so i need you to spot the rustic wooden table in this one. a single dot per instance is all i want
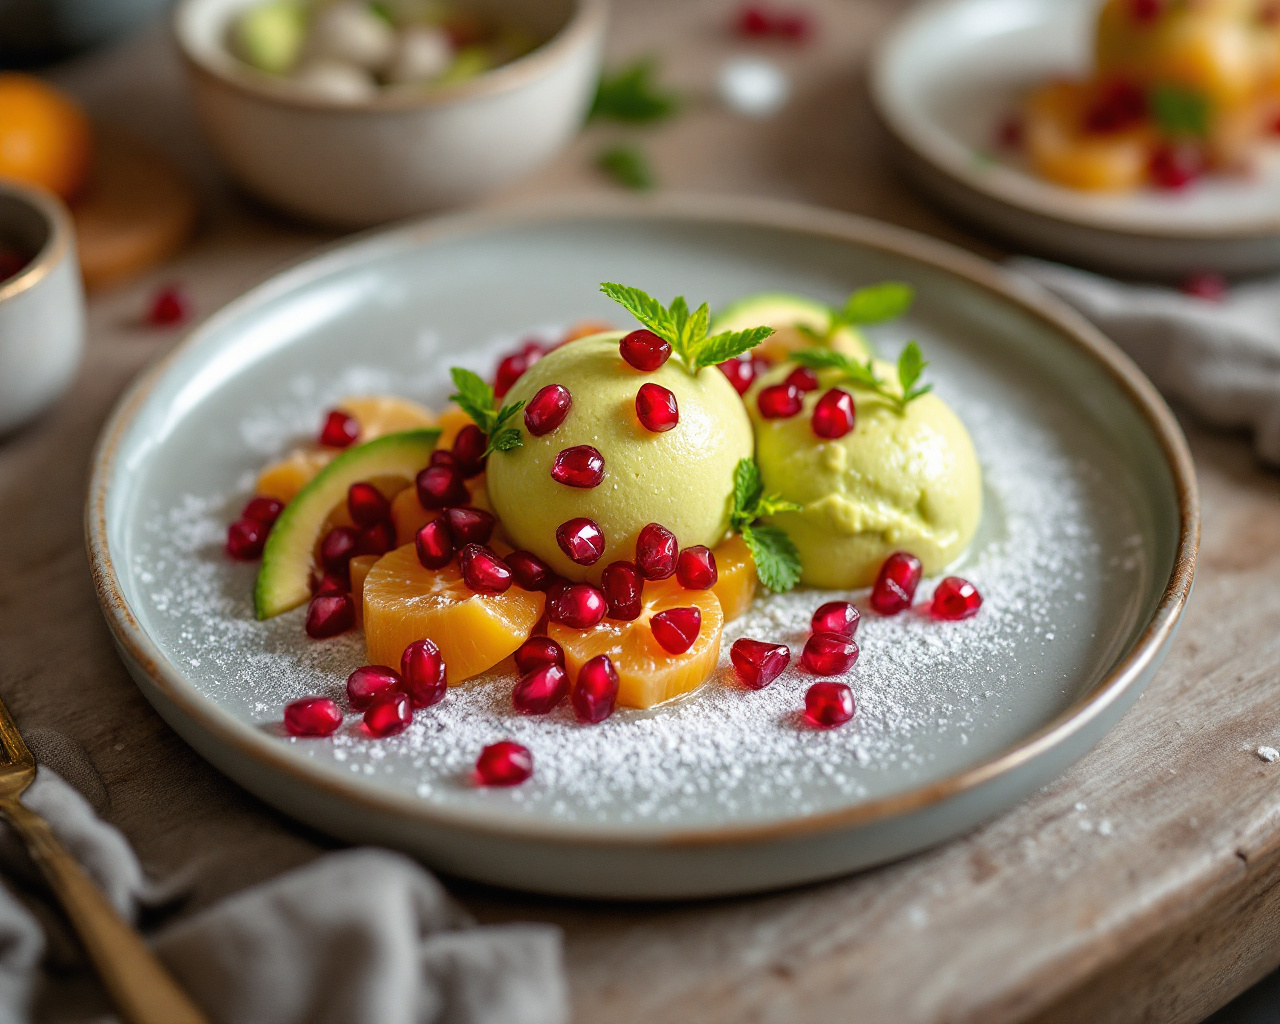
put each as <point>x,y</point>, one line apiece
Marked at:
<point>1142,885</point>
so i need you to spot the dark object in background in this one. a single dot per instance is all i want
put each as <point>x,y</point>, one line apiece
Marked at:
<point>37,31</point>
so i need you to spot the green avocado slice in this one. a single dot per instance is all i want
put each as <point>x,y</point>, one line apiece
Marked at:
<point>284,578</point>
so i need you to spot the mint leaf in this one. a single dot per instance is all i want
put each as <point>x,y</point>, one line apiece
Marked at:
<point>632,96</point>
<point>731,344</point>
<point>627,165</point>
<point>777,560</point>
<point>748,486</point>
<point>507,440</point>
<point>644,307</point>
<point>877,303</point>
<point>1180,112</point>
<point>911,365</point>
<point>475,398</point>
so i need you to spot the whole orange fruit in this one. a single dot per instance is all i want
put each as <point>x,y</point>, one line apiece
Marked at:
<point>44,137</point>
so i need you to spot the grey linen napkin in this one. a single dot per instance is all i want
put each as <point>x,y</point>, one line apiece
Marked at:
<point>361,936</point>
<point>1220,359</point>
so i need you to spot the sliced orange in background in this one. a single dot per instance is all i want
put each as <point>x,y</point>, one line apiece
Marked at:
<point>736,585</point>
<point>647,673</point>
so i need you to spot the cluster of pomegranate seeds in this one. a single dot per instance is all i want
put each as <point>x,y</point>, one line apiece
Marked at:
<point>330,614</point>
<point>505,763</point>
<point>803,379</point>
<point>743,371</point>
<point>829,654</point>
<point>676,629</point>
<point>547,409</point>
<point>469,525</point>
<point>577,605</point>
<point>840,617</point>
<point>1209,286</point>
<point>340,430</point>
<point>581,539</point>
<point>511,368</point>
<point>247,536</point>
<point>388,715</point>
<point>644,350</point>
<point>955,599</point>
<point>835,415</point>
<point>623,588</point>
<point>312,716</point>
<point>827,705</point>
<point>759,21</point>
<point>468,450</point>
<point>483,571</point>
<point>656,408</point>
<point>758,663</point>
<point>169,307</point>
<point>1174,167</point>
<point>596,691</point>
<point>369,682</point>
<point>895,586</point>
<point>435,544</point>
<point>696,568</point>
<point>338,548</point>
<point>540,690</point>
<point>656,552</point>
<point>1120,104</point>
<point>1010,132</point>
<point>529,571</point>
<point>579,466</point>
<point>422,674</point>
<point>538,651</point>
<point>442,486</point>
<point>779,401</point>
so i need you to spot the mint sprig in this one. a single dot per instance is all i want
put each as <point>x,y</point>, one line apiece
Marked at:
<point>1180,112</point>
<point>777,560</point>
<point>874,304</point>
<point>627,165</point>
<point>911,365</point>
<point>476,399</point>
<point>631,95</point>
<point>685,331</point>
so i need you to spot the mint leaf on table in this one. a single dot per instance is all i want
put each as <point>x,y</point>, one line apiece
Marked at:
<point>627,165</point>
<point>777,560</point>
<point>911,365</point>
<point>1180,112</point>
<point>632,95</point>
<point>476,399</point>
<point>685,331</point>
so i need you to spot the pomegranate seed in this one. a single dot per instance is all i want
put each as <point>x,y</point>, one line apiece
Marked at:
<point>739,372</point>
<point>422,674</point>
<point>367,505</point>
<point>443,457</point>
<point>388,715</point>
<point>246,539</point>
<point>337,548</point>
<point>582,540</point>
<point>469,525</point>
<point>840,617</point>
<point>779,401</point>
<point>538,651</point>
<point>370,682</point>
<point>1176,167</point>
<point>803,379</point>
<point>339,430</point>
<point>330,614</point>
<point>377,540</point>
<point>656,552</point>
<point>656,408</point>
<point>955,599</point>
<point>510,370</point>
<point>442,487</point>
<point>829,654</point>
<point>529,571</point>
<point>623,586</point>
<point>169,307</point>
<point>435,545</point>
<point>755,21</point>
<point>644,350</point>
<point>827,705</point>
<point>677,629</point>
<point>483,571</point>
<point>1208,286</point>
<point>1119,105</point>
<point>332,583</point>
<point>580,606</point>
<point>834,415</point>
<point>896,584</point>
<point>312,716</point>
<point>556,590</point>
<point>596,691</point>
<point>758,663</point>
<point>541,690</point>
<point>696,568</point>
<point>264,510</point>
<point>468,450</point>
<point>1010,132</point>
<point>504,764</point>
<point>548,409</point>
<point>1144,11</point>
<point>579,466</point>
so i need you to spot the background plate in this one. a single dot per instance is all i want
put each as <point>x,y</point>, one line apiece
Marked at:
<point>1085,558</point>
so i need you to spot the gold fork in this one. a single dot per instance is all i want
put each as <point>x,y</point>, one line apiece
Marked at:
<point>143,991</point>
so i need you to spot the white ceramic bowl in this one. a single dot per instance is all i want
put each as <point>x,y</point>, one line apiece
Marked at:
<point>401,152</point>
<point>41,308</point>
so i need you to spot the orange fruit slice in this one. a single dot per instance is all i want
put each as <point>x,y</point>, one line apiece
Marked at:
<point>1064,152</point>
<point>404,602</point>
<point>736,585</point>
<point>359,569</point>
<point>450,422</point>
<point>45,138</point>
<point>647,673</point>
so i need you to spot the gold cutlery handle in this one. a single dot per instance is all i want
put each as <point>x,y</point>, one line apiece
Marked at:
<point>143,991</point>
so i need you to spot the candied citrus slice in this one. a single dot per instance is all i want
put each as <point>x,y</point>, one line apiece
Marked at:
<point>404,602</point>
<point>647,673</point>
<point>736,585</point>
<point>359,568</point>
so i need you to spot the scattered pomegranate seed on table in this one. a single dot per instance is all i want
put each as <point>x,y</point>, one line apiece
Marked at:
<point>835,415</point>
<point>483,571</point>
<point>596,691</point>
<point>656,408</point>
<point>169,307</point>
<point>696,568</point>
<point>312,716</point>
<point>339,430</point>
<point>388,715</point>
<point>836,617</point>
<point>644,350</point>
<point>377,539</point>
<point>434,544</point>
<point>330,614</point>
<point>538,651</point>
<point>676,629</point>
<point>580,606</point>
<point>529,571</point>
<point>264,510</point>
<point>1208,286</point>
<point>656,552</point>
<point>367,505</point>
<point>539,691</point>
<point>829,654</point>
<point>895,586</point>
<point>246,538</point>
<point>579,466</point>
<point>623,588</point>
<point>469,525</point>
<point>442,487</point>
<point>827,705</point>
<point>779,401</point>
<point>504,763</point>
<point>955,599</point>
<point>581,539</point>
<point>422,674</point>
<point>370,682</point>
<point>803,379</point>
<point>468,450</point>
<point>547,409</point>
<point>758,663</point>
<point>338,548</point>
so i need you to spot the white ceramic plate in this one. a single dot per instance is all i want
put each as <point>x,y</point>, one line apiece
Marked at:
<point>1085,557</point>
<point>945,78</point>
